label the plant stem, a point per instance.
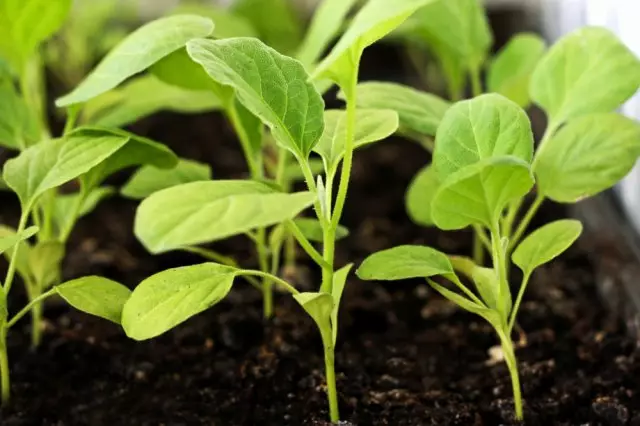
(275, 278)
(500, 265)
(478, 249)
(263, 262)
(12, 263)
(330, 373)
(516, 305)
(27, 308)
(512, 365)
(36, 324)
(4, 367)
(211, 255)
(255, 169)
(522, 227)
(328, 249)
(306, 245)
(476, 85)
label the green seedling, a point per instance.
(484, 165)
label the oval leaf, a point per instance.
(546, 243)
(404, 262)
(588, 155)
(272, 86)
(478, 193)
(150, 179)
(587, 71)
(202, 212)
(137, 52)
(170, 297)
(96, 296)
(420, 194)
(487, 126)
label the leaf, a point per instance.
(24, 250)
(8, 240)
(511, 69)
(404, 262)
(371, 125)
(312, 229)
(478, 193)
(45, 261)
(178, 69)
(150, 179)
(485, 279)
(319, 306)
(421, 191)
(419, 112)
(588, 155)
(339, 282)
(65, 204)
(136, 151)
(272, 86)
(144, 96)
(97, 296)
(200, 212)
(166, 299)
(326, 24)
(483, 127)
(546, 243)
(376, 19)
(49, 165)
(227, 23)
(18, 129)
(137, 52)
(587, 71)
(491, 316)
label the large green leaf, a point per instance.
(372, 125)
(326, 24)
(376, 19)
(150, 179)
(484, 127)
(201, 212)
(588, 155)
(587, 71)
(478, 193)
(404, 262)
(227, 23)
(48, 165)
(18, 127)
(272, 86)
(137, 52)
(97, 296)
(546, 243)
(511, 69)
(419, 112)
(421, 191)
(64, 205)
(170, 297)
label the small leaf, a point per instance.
(49, 165)
(339, 282)
(419, 112)
(546, 243)
(272, 86)
(45, 261)
(491, 316)
(319, 306)
(511, 70)
(18, 128)
(201, 212)
(420, 194)
(227, 23)
(137, 52)
(150, 179)
(588, 155)
(477, 194)
(485, 279)
(168, 298)
(65, 204)
(10, 239)
(587, 71)
(404, 262)
(97, 296)
(372, 125)
(312, 229)
(483, 127)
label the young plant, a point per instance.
(485, 165)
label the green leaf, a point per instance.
(511, 69)
(227, 23)
(10, 239)
(546, 243)
(272, 86)
(404, 262)
(18, 129)
(144, 96)
(421, 191)
(178, 69)
(49, 165)
(64, 205)
(150, 179)
(419, 112)
(491, 316)
(137, 52)
(326, 24)
(45, 262)
(376, 19)
(319, 306)
(587, 71)
(485, 279)
(339, 282)
(484, 127)
(166, 299)
(478, 193)
(97, 296)
(312, 229)
(588, 155)
(201, 212)
(372, 125)
(136, 151)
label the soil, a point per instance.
(405, 356)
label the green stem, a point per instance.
(476, 85)
(275, 278)
(522, 227)
(512, 365)
(500, 265)
(36, 324)
(72, 116)
(12, 263)
(512, 213)
(328, 251)
(212, 255)
(306, 245)
(263, 262)
(255, 169)
(478, 248)
(330, 373)
(516, 305)
(27, 308)
(4, 367)
(73, 217)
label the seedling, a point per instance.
(484, 166)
